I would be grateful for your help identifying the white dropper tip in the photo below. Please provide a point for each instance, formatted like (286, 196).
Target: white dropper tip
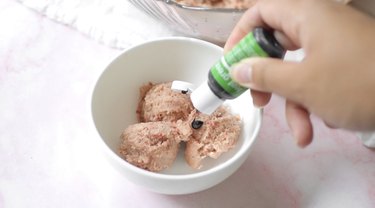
(204, 100)
(182, 86)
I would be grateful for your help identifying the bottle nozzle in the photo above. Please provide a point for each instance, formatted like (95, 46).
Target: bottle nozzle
(204, 100)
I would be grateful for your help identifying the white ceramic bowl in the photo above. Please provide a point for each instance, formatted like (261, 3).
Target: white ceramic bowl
(114, 103)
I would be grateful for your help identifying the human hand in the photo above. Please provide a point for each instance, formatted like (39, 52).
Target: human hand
(336, 79)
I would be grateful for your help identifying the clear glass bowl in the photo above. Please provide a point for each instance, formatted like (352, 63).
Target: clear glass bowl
(211, 24)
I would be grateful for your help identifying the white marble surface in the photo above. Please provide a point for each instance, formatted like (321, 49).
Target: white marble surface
(47, 156)
(112, 22)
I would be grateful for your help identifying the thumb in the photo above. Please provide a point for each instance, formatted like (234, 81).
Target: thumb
(268, 75)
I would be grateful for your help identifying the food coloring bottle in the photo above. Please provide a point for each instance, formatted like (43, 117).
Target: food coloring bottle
(219, 86)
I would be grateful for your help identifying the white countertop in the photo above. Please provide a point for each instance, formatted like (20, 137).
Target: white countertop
(47, 156)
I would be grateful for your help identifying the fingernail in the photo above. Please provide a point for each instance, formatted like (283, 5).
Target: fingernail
(258, 106)
(295, 135)
(296, 140)
(241, 73)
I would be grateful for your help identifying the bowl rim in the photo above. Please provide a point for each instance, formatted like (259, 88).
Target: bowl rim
(109, 152)
(205, 9)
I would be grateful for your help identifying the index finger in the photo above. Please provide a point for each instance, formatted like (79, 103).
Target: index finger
(280, 15)
(250, 19)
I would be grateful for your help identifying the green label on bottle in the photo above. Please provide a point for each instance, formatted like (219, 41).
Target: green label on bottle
(247, 47)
